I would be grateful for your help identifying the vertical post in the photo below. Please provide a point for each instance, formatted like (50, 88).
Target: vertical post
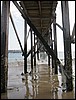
(38, 50)
(4, 44)
(67, 44)
(48, 44)
(48, 60)
(32, 51)
(51, 46)
(55, 43)
(25, 46)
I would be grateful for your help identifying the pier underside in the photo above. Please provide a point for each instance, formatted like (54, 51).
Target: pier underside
(43, 80)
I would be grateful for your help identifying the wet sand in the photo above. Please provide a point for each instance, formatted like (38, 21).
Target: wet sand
(41, 84)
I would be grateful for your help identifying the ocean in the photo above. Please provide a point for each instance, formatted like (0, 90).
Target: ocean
(18, 56)
(14, 56)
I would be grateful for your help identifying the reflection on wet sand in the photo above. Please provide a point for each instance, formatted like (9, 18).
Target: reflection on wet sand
(42, 83)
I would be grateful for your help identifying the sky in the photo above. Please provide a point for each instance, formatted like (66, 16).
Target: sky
(60, 44)
(19, 24)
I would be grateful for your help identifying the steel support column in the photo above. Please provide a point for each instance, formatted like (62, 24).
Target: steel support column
(25, 46)
(48, 60)
(51, 47)
(37, 49)
(4, 44)
(55, 44)
(32, 51)
(67, 44)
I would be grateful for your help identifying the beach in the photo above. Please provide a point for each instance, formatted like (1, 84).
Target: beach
(41, 84)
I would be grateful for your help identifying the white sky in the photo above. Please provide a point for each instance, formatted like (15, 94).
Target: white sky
(19, 23)
(60, 46)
